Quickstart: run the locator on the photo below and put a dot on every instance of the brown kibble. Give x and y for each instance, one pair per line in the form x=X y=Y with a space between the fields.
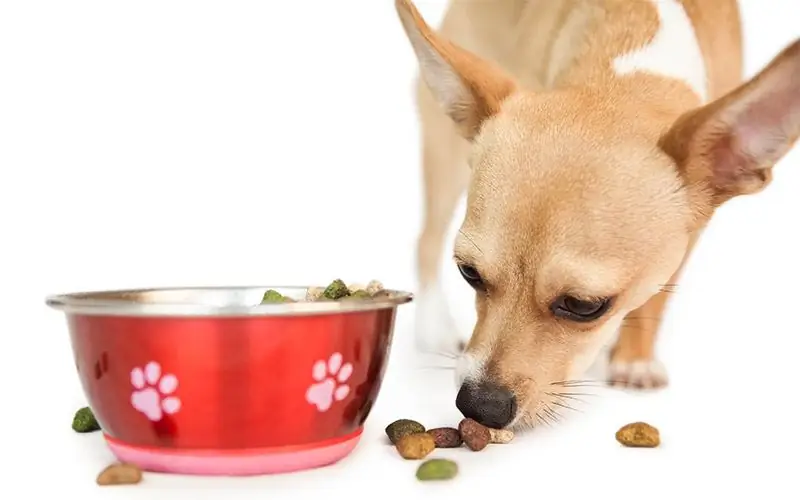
x=118 y=474
x=500 y=436
x=415 y=446
x=446 y=437
x=638 y=435
x=475 y=435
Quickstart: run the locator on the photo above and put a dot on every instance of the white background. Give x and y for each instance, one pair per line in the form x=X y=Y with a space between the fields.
x=195 y=142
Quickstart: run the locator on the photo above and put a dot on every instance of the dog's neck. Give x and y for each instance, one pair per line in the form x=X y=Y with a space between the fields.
x=643 y=54
x=673 y=52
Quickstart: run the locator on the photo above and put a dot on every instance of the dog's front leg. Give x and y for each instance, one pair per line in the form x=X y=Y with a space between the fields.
x=445 y=178
x=633 y=362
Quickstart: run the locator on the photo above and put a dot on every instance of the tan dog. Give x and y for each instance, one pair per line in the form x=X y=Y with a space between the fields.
x=595 y=139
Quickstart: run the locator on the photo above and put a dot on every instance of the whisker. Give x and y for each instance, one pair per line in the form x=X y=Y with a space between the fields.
x=545 y=420
x=443 y=354
x=572 y=395
x=584 y=385
x=436 y=367
x=586 y=389
x=566 y=406
x=565 y=396
x=465 y=235
x=579 y=383
x=570 y=381
x=554 y=414
x=547 y=416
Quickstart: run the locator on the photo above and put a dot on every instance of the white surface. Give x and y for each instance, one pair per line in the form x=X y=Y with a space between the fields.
x=177 y=143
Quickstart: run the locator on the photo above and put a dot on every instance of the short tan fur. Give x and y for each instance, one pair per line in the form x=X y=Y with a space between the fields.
x=594 y=140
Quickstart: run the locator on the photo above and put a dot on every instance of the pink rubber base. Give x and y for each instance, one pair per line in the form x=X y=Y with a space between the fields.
x=235 y=462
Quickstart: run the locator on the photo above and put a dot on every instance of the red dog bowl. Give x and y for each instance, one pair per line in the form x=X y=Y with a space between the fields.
x=210 y=381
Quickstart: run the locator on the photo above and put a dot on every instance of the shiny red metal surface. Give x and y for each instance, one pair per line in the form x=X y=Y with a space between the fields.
x=231 y=383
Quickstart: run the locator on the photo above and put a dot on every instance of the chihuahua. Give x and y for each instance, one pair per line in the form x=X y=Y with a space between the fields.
x=594 y=140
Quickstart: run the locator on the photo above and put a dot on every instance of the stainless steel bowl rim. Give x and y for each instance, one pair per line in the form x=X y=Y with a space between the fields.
x=122 y=302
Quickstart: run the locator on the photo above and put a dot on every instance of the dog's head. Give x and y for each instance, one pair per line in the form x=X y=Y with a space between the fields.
x=580 y=208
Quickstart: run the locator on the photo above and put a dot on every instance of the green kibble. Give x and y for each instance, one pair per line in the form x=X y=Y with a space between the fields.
x=84 y=421
x=359 y=294
x=437 y=469
x=273 y=297
x=336 y=290
x=403 y=427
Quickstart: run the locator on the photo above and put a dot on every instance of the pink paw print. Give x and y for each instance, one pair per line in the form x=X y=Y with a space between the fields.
x=330 y=382
x=153 y=391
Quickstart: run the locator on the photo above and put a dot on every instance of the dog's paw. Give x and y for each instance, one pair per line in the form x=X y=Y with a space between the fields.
x=637 y=374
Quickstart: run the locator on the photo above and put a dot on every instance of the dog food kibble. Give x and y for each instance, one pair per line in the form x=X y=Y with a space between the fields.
x=475 y=435
x=84 y=421
x=274 y=297
x=314 y=293
x=358 y=294
x=374 y=287
x=118 y=474
x=336 y=290
x=403 y=427
x=355 y=287
x=638 y=435
x=437 y=469
x=500 y=436
x=446 y=437
x=415 y=446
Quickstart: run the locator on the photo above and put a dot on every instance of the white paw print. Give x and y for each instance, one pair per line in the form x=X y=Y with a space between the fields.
x=152 y=393
x=329 y=382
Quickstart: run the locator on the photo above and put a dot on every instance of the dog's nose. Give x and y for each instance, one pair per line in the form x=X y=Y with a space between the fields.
x=487 y=403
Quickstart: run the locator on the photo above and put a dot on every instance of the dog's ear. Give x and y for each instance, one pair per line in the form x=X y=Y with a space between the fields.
x=729 y=146
x=468 y=88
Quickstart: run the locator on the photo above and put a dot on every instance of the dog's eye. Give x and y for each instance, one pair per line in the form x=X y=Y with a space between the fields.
x=471 y=276
x=583 y=311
